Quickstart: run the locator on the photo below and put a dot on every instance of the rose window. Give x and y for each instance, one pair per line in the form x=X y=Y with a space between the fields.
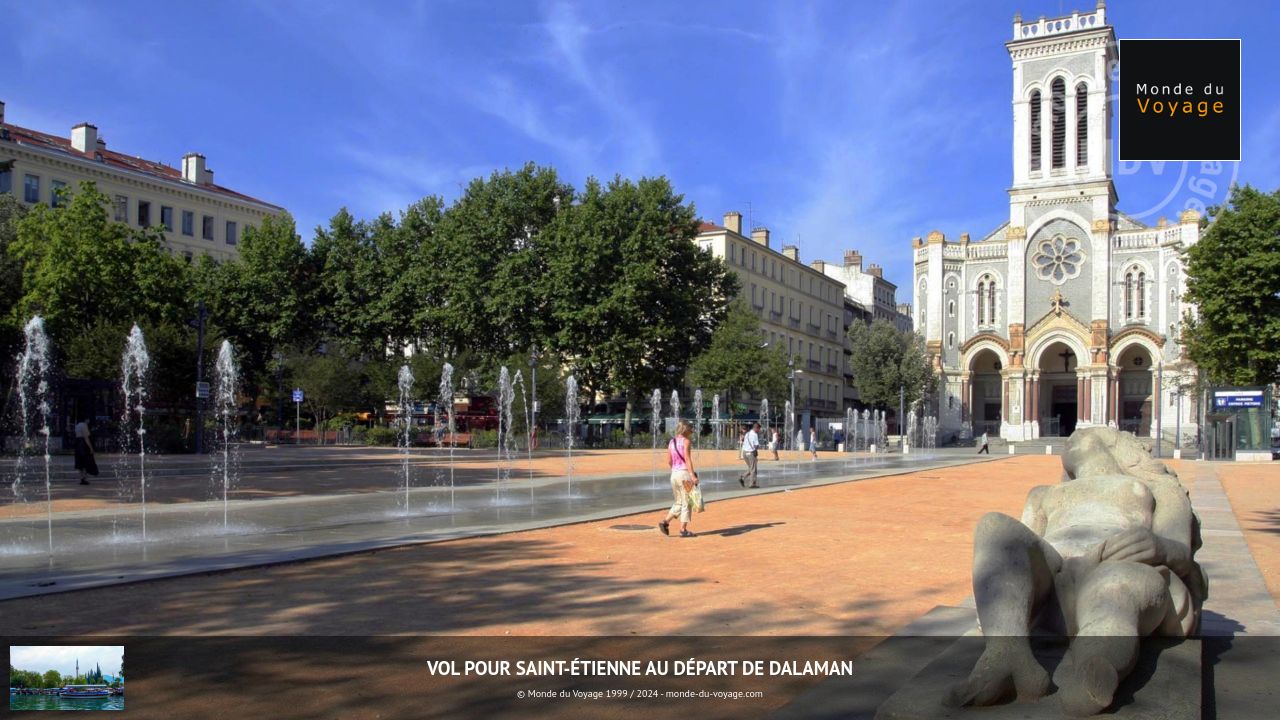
x=1058 y=259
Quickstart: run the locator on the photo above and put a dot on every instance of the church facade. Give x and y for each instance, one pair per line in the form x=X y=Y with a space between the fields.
x=1068 y=314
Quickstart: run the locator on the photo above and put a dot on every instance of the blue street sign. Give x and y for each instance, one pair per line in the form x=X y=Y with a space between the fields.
x=297 y=395
x=1237 y=398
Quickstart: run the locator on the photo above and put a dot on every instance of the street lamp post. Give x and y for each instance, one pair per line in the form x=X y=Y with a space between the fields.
x=1158 y=397
x=198 y=322
x=1177 y=425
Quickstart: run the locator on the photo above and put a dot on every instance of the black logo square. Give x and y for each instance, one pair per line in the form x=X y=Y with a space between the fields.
x=1179 y=100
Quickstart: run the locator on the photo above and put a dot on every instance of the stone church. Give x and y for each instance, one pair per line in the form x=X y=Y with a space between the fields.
x=1068 y=314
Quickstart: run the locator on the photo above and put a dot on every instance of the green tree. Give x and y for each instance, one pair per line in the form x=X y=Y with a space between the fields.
x=334 y=383
x=262 y=300
x=736 y=361
x=489 y=253
x=375 y=280
x=885 y=359
x=79 y=267
x=1233 y=279
x=349 y=282
x=406 y=253
x=632 y=296
x=11 y=212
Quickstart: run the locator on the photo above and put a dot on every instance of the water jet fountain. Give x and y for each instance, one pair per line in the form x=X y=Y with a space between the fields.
x=446 y=401
x=226 y=380
x=571 y=426
x=135 y=365
x=655 y=422
x=33 y=400
x=697 y=417
x=404 y=383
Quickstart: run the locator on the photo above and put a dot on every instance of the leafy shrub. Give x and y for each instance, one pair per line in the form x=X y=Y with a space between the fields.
x=484 y=438
x=381 y=435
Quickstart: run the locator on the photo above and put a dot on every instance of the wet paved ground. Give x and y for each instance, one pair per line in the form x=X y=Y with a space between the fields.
x=114 y=543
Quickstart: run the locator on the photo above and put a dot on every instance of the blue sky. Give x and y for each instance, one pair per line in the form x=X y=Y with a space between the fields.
x=42 y=658
x=836 y=124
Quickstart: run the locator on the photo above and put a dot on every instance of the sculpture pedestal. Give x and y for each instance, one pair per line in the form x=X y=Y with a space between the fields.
x=909 y=675
x=1165 y=685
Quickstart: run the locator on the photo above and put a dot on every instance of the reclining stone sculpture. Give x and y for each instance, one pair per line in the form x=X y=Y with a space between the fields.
x=1104 y=558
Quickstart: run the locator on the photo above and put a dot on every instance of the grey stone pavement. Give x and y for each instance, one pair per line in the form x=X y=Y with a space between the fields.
x=1239 y=654
x=107 y=546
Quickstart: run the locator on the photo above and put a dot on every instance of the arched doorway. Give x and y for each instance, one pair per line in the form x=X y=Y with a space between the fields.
x=1057 y=399
x=985 y=384
x=1133 y=397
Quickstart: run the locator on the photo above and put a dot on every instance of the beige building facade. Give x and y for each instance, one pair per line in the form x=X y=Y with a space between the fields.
x=865 y=286
x=199 y=217
x=801 y=310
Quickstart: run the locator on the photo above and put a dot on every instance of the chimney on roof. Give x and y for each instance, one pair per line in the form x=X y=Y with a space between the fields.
x=819 y=265
x=876 y=270
x=84 y=138
x=853 y=258
x=760 y=235
x=102 y=144
x=733 y=221
x=194 y=171
x=792 y=252
x=1 y=111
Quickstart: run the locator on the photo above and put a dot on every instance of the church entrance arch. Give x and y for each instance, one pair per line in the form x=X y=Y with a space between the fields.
x=1057 y=390
x=985 y=386
x=1134 y=383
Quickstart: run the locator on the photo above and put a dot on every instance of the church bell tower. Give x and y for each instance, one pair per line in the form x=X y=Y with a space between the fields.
x=1061 y=104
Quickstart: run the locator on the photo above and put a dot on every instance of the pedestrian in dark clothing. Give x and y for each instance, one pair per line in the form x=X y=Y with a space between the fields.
x=85 y=461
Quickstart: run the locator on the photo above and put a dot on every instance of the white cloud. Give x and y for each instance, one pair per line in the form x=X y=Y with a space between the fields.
x=41 y=658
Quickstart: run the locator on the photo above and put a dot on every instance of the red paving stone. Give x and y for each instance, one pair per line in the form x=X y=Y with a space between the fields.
x=855 y=559
x=1254 y=492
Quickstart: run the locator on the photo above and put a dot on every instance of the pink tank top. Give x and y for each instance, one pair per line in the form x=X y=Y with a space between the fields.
x=676 y=454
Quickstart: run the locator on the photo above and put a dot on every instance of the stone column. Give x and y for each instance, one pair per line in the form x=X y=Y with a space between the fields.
x=1034 y=400
x=1113 y=398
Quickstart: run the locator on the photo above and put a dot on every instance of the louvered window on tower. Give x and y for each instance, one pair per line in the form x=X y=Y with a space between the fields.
x=1082 y=124
x=1035 y=130
x=1059 y=97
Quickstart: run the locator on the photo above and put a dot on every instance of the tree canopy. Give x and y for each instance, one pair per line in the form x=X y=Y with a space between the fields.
x=737 y=361
x=885 y=359
x=607 y=283
x=633 y=298
x=1233 y=279
x=79 y=267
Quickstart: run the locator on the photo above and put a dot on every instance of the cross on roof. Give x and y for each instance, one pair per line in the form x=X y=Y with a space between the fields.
x=1057 y=301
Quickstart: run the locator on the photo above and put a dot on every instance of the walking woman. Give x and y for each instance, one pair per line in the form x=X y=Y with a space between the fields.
x=85 y=461
x=683 y=479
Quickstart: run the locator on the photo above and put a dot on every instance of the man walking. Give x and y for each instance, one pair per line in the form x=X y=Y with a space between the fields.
x=984 y=449
x=750 y=451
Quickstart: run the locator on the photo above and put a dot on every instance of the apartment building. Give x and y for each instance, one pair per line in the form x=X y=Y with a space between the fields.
x=801 y=309
x=198 y=216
